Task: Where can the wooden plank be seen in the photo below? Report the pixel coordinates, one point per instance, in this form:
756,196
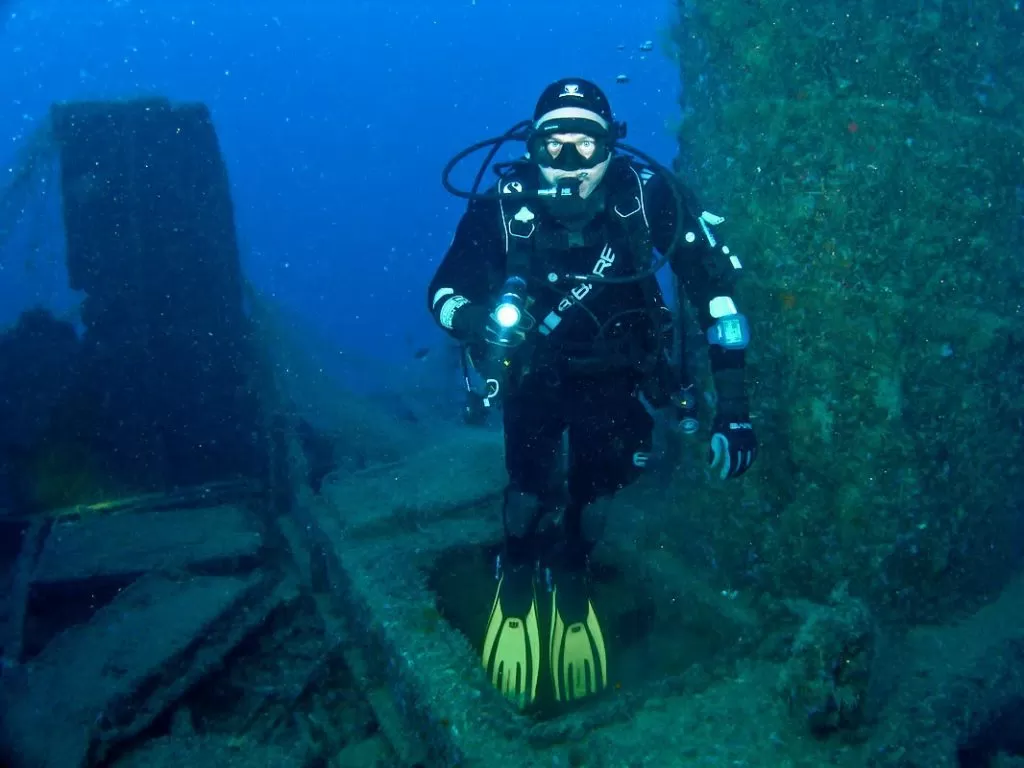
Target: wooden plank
215,750
130,715
206,495
104,681
128,545
302,540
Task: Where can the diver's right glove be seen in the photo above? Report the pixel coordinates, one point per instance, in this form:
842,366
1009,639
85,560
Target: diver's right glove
472,322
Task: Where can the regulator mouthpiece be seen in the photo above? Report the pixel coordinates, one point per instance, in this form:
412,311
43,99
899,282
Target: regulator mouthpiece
567,188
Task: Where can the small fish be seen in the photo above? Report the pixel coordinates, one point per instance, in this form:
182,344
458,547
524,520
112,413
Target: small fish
421,353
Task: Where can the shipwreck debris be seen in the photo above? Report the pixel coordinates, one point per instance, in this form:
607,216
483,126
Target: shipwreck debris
104,681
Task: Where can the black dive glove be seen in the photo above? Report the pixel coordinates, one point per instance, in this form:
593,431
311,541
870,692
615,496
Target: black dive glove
733,442
472,322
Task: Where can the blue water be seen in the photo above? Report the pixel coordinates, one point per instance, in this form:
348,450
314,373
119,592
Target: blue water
335,118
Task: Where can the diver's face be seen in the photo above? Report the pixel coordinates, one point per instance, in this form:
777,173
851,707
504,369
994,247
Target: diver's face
585,146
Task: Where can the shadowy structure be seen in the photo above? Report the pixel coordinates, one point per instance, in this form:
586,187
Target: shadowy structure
39,358
158,393
151,241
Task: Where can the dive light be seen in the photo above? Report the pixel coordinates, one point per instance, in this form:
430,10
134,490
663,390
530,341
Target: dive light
509,311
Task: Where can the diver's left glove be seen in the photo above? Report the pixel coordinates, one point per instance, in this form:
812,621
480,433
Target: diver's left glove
733,441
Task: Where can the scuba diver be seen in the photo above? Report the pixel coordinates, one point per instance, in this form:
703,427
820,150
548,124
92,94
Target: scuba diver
550,286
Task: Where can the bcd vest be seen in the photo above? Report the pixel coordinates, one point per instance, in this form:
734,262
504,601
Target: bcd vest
532,249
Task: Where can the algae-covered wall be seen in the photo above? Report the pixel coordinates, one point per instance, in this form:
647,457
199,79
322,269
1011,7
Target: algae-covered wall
869,158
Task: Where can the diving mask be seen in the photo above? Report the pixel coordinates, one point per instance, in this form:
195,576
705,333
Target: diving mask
569,145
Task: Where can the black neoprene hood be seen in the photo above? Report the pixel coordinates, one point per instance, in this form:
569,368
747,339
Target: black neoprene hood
573,92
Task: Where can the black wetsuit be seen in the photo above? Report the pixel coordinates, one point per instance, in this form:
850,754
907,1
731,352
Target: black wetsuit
583,375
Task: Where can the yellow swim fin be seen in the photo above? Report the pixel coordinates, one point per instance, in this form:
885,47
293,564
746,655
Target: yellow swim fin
579,661
511,652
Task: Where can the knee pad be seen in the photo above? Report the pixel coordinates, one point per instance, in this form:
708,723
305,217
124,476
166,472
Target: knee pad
522,512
